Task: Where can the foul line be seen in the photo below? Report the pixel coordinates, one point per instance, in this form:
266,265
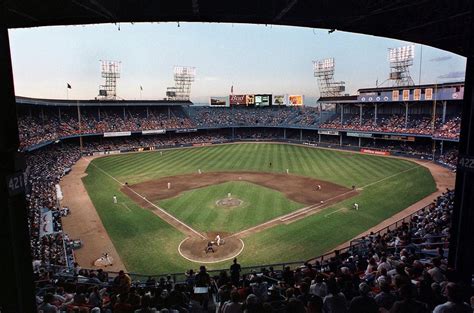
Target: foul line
126,206
307,209
151,203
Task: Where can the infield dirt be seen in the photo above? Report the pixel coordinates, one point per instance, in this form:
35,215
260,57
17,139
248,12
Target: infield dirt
297,188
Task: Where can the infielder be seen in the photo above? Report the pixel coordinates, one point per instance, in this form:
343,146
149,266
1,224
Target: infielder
169,185
115,199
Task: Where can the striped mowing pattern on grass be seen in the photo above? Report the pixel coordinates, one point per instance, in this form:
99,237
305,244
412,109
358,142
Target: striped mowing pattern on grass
146,244
343,168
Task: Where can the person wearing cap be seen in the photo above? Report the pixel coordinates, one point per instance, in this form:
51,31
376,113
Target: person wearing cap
363,303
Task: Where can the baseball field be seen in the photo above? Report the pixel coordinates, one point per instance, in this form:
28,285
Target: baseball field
269,202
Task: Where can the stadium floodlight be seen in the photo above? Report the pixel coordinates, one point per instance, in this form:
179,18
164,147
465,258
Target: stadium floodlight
401,59
401,54
110,71
324,72
183,77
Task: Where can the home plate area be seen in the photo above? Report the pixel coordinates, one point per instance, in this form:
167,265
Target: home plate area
207,251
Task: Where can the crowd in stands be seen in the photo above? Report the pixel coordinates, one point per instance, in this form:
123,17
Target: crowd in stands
49,125
45,168
396,123
401,270
136,142
450,129
265,116
38,126
449,158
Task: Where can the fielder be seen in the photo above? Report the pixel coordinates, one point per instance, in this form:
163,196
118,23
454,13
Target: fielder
288,171
115,199
169,185
356,206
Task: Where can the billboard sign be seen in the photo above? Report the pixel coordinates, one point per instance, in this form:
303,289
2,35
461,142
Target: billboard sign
296,100
154,132
328,132
237,100
117,134
360,135
263,100
376,152
406,95
429,94
417,94
249,100
218,101
395,95
280,100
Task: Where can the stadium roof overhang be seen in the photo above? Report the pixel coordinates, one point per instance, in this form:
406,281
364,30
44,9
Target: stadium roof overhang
439,23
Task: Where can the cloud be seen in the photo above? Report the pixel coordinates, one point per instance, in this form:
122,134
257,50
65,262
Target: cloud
441,59
453,75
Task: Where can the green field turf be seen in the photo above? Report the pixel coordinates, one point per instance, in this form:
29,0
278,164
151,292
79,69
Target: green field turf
146,244
198,208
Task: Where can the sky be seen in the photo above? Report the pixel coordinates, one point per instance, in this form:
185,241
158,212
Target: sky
252,58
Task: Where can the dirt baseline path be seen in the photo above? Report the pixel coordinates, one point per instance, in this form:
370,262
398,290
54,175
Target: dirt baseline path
84,222
297,188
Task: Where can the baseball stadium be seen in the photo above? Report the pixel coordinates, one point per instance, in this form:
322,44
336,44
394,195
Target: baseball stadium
256,200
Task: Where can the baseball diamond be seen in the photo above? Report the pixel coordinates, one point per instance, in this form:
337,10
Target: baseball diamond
280,212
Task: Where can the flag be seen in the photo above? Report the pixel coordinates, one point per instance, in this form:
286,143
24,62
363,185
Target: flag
141,88
69,86
232,89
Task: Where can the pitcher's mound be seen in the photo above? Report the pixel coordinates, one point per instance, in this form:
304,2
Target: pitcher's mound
229,203
194,249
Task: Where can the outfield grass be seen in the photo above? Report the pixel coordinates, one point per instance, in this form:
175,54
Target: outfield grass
198,208
146,244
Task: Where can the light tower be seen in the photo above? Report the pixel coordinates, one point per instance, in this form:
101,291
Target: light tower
324,72
401,59
110,71
183,77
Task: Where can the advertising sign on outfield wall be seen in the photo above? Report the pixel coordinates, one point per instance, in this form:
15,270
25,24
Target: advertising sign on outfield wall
153,131
117,134
361,135
328,132
376,152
